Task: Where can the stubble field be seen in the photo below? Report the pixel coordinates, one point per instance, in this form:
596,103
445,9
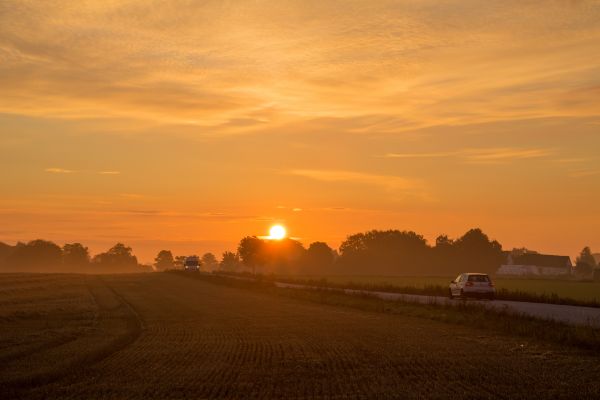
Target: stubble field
167,336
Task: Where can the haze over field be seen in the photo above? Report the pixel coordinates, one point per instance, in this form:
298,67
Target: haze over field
187,125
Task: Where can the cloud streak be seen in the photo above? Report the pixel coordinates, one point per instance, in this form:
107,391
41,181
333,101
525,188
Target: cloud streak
483,155
55,170
387,182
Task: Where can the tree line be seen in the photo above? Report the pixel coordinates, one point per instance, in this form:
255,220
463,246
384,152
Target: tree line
45,256
376,252
386,252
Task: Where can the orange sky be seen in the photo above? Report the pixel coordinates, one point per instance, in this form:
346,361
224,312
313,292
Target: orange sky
186,125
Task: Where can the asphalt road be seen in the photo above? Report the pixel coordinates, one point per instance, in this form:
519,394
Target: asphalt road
574,315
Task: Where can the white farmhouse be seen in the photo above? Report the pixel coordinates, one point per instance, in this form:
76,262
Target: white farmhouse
536,265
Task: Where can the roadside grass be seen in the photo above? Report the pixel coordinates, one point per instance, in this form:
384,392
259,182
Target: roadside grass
534,291
467,314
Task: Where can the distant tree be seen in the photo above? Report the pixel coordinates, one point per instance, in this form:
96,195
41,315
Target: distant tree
210,262
444,255
230,262
318,259
145,268
164,260
282,256
443,241
179,261
37,255
271,256
586,257
251,252
75,257
477,253
118,258
390,252
5,250
583,269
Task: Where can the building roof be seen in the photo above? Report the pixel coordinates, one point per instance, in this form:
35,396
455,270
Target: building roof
542,260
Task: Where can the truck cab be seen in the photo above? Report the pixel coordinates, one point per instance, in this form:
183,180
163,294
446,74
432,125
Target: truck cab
191,263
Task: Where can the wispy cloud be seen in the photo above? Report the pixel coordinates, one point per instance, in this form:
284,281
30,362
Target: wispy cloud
386,182
582,173
440,154
55,170
504,154
481,155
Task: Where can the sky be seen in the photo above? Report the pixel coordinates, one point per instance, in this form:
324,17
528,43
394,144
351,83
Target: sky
187,125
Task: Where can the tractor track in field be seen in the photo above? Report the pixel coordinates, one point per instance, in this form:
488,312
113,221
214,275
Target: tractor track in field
80,364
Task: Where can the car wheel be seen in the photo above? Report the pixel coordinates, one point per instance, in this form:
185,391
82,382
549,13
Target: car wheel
462,294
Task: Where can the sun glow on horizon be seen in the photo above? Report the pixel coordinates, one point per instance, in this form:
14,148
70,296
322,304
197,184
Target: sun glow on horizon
277,232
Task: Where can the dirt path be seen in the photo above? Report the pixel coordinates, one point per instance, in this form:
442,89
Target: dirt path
203,340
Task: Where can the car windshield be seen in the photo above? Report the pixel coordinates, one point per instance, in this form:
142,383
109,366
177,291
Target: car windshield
478,278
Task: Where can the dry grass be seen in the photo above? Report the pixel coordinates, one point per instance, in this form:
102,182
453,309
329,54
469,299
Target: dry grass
204,340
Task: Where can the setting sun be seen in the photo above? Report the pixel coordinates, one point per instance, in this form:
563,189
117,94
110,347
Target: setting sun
277,232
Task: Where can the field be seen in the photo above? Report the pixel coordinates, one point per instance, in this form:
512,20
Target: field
581,291
167,336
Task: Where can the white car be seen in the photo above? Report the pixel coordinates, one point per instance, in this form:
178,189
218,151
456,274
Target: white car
472,285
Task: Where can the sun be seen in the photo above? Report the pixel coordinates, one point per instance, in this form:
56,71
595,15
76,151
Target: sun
277,232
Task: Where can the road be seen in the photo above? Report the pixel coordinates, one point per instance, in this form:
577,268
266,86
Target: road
575,315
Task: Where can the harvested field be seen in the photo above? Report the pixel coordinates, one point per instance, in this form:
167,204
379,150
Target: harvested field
166,336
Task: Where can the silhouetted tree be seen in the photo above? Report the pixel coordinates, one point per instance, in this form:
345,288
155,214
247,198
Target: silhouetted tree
388,252
282,256
477,253
444,255
251,251
118,258
318,259
5,250
37,255
583,269
179,261
586,257
585,263
230,262
210,262
75,257
164,260
271,256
